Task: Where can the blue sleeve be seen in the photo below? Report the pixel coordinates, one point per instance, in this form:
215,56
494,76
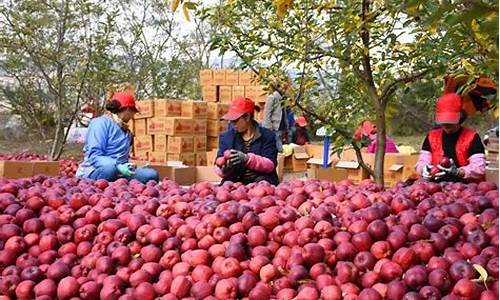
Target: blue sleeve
269,149
224,144
96,145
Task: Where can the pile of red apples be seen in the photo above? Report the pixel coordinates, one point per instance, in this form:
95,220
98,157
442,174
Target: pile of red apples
68,238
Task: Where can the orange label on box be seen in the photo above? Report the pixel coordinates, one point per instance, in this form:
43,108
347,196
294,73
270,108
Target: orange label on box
157,157
206,77
146,109
200,126
238,91
216,111
170,126
140,127
219,77
200,143
212,142
167,108
201,158
180,144
194,109
215,127
160,143
143,143
187,158
209,93
232,77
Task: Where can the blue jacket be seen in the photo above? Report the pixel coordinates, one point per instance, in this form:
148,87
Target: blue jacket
264,145
106,144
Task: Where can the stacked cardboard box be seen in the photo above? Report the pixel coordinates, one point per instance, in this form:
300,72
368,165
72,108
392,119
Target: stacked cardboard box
171,130
223,85
492,159
14,169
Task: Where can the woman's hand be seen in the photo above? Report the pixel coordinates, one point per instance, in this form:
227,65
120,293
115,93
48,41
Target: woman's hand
126,169
237,158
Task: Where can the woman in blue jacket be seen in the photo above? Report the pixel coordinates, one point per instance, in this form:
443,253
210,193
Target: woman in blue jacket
252,147
108,142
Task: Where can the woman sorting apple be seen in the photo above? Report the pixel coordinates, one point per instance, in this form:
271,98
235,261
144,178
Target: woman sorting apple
451,152
108,142
247,151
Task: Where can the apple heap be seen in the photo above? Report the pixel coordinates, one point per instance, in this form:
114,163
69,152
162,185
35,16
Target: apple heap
70,238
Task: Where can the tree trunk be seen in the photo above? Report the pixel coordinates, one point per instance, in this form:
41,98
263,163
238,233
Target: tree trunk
380,151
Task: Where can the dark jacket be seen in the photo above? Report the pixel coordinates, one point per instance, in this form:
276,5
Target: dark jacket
264,144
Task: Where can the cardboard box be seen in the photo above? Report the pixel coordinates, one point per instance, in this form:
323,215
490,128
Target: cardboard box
157,157
167,108
49,168
328,174
354,171
200,143
206,77
13,169
194,109
209,93
492,174
280,168
238,91
143,143
170,125
261,93
219,76
225,94
141,155
131,126
297,162
212,142
180,144
187,158
251,92
247,78
160,143
146,109
211,156
200,158
216,127
232,77
206,173
200,126
216,111
140,127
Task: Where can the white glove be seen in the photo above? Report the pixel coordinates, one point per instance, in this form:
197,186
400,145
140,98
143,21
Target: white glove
426,172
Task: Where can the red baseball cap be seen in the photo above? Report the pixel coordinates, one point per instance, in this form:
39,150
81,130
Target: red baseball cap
239,107
125,99
448,109
301,121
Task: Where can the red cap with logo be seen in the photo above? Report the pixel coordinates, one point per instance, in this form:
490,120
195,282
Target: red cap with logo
125,99
448,109
239,107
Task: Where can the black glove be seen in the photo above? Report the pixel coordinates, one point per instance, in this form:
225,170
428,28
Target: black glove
452,171
238,158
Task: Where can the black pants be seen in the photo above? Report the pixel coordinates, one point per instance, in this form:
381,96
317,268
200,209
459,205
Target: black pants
236,176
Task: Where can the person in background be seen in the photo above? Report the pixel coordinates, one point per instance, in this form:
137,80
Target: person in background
291,125
369,130
461,145
301,137
252,148
108,143
275,115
